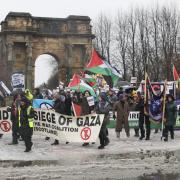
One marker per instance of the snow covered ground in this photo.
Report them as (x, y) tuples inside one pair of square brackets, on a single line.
[(124, 158)]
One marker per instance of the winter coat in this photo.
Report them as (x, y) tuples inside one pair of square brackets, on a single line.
[(103, 108), (68, 103), (85, 108), (112, 99), (24, 116), (170, 113), (59, 107), (122, 114), (140, 107)]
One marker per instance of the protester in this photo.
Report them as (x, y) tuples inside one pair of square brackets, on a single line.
[(103, 108), (68, 103), (83, 102), (14, 118), (26, 122), (132, 107), (59, 107), (28, 95), (37, 94), (112, 98), (170, 117), (2, 104), (122, 109), (143, 118)]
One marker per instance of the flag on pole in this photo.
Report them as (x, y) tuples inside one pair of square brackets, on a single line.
[(89, 80), (175, 74), (78, 84), (153, 101), (98, 66)]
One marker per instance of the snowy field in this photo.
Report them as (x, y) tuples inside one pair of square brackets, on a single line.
[(124, 158)]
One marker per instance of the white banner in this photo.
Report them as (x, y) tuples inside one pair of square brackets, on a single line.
[(58, 126), (5, 122)]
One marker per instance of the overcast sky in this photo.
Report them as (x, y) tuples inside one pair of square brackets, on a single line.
[(63, 8)]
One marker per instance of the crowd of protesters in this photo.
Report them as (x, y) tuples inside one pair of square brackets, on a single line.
[(120, 103)]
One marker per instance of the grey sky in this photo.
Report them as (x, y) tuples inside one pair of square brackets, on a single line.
[(63, 8)]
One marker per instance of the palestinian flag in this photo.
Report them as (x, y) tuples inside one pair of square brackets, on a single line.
[(79, 84), (90, 80), (98, 66), (175, 74)]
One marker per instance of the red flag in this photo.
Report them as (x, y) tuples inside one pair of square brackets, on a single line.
[(175, 74), (76, 109), (75, 81), (95, 60)]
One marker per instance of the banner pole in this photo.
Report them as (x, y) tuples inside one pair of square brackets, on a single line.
[(164, 105)]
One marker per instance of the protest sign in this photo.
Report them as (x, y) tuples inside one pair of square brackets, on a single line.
[(18, 81), (90, 100), (133, 80), (58, 126)]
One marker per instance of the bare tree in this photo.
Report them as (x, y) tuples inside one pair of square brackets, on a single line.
[(132, 27), (121, 42), (103, 32), (169, 22)]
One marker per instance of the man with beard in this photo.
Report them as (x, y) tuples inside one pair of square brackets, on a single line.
[(122, 109)]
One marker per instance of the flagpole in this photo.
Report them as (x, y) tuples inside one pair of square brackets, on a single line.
[(164, 105)]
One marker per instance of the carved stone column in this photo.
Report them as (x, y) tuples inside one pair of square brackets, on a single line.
[(29, 66), (68, 62), (10, 61), (10, 51)]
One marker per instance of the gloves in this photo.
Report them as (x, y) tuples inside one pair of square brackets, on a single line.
[(9, 109)]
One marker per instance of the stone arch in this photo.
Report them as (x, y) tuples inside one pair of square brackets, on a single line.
[(25, 37)]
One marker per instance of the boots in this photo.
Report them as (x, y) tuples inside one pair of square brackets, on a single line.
[(47, 138), (56, 142), (85, 144), (147, 138), (28, 148), (141, 137), (101, 147), (117, 134)]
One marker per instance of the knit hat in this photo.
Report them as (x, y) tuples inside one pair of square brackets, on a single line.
[(121, 96)]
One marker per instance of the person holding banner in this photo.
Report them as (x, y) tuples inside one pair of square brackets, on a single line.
[(143, 118), (170, 117), (26, 122), (59, 107), (102, 107), (122, 109), (14, 118), (86, 108)]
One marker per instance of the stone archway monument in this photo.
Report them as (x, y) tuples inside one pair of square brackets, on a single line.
[(24, 37)]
